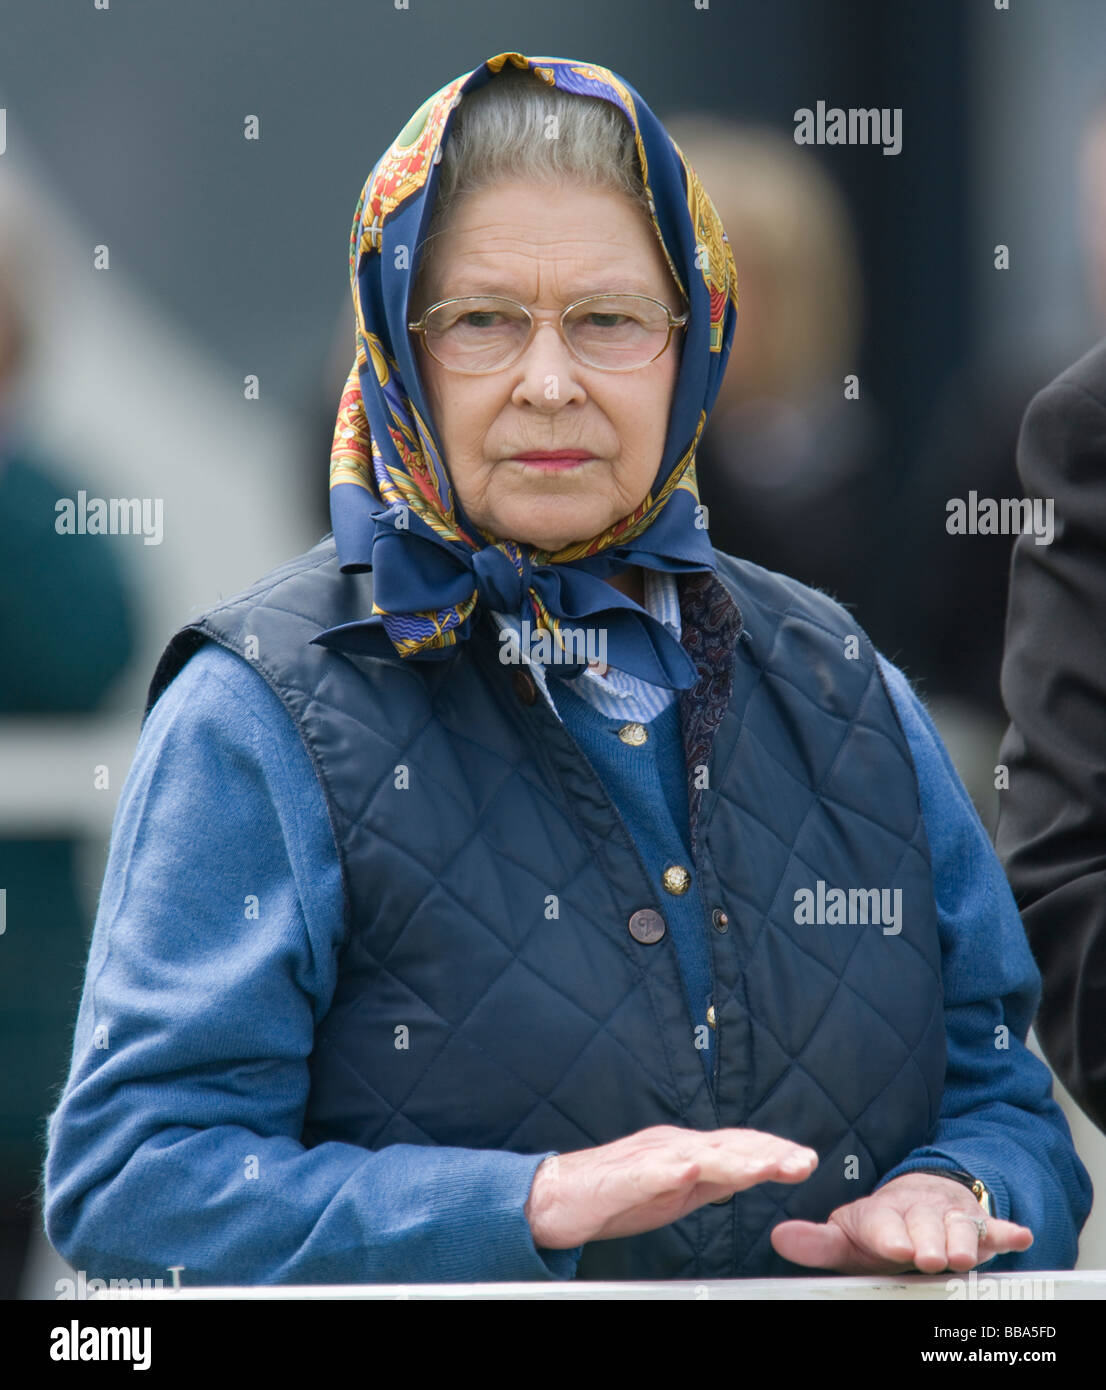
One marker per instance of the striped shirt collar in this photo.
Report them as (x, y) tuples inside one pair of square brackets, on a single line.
[(617, 695)]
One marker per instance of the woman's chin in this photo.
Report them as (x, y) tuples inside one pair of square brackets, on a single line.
[(549, 533)]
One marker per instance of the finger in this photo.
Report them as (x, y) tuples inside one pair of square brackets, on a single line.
[(778, 1162), (962, 1238), (653, 1179), (738, 1174), (1003, 1236), (723, 1162), (755, 1145), (880, 1236), (813, 1245), (928, 1234), (718, 1168), (809, 1243)]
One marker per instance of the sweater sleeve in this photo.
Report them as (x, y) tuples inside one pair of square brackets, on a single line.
[(998, 1118), (177, 1139)]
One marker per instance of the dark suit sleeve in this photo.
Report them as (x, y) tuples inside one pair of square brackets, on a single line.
[(1051, 833)]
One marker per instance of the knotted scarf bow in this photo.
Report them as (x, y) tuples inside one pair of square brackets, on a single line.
[(392, 506)]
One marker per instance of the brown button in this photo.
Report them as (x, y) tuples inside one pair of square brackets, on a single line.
[(676, 879), (647, 926), (721, 1201), (525, 687), (711, 1018), (720, 919), (634, 734)]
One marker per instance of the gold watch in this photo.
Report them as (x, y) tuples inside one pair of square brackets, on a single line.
[(982, 1196), (977, 1186)]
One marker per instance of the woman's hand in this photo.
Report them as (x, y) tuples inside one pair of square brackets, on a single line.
[(650, 1178), (918, 1221)]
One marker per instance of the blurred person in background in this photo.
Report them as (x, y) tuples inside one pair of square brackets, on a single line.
[(793, 472), (953, 588), (1052, 823), (1051, 831), (66, 634)]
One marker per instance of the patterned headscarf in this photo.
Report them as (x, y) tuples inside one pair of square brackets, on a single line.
[(392, 506)]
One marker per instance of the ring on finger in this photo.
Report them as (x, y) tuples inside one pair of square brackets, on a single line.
[(979, 1224)]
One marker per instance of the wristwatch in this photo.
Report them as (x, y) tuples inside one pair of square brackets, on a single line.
[(977, 1186)]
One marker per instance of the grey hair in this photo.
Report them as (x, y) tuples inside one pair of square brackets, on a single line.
[(519, 127)]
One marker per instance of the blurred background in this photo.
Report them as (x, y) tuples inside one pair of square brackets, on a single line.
[(175, 325)]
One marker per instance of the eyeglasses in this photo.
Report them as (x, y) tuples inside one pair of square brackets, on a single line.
[(611, 332)]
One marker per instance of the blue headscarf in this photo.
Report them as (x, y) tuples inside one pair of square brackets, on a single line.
[(392, 506)]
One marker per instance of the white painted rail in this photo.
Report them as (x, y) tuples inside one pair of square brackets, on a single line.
[(995, 1289)]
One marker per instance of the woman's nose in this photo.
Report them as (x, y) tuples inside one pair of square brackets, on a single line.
[(548, 374)]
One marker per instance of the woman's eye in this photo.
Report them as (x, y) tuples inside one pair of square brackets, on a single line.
[(479, 318), (598, 320)]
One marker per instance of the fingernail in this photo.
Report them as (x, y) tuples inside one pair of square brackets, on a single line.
[(795, 1163)]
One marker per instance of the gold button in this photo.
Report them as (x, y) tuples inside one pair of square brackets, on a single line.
[(676, 879), (711, 1018), (634, 734)]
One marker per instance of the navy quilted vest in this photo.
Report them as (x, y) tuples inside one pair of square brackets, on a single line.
[(462, 809)]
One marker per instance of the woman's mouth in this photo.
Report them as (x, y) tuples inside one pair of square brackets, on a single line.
[(552, 459)]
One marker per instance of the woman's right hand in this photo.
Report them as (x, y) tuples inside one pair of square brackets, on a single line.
[(650, 1178)]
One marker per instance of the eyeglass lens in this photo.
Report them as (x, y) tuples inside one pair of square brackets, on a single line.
[(615, 332)]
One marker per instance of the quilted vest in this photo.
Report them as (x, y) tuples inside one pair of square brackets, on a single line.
[(494, 988)]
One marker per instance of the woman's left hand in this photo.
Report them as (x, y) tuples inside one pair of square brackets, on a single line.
[(916, 1222)]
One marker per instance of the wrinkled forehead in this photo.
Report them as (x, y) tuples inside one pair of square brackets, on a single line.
[(538, 242)]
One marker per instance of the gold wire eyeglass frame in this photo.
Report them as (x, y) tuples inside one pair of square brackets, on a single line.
[(674, 321)]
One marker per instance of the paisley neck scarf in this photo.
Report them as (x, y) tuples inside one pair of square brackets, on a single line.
[(392, 506)]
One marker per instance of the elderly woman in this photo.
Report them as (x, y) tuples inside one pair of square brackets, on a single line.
[(513, 886)]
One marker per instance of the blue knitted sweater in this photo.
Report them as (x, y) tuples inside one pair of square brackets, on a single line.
[(648, 784)]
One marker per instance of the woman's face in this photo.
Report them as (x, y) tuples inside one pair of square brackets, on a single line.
[(547, 248)]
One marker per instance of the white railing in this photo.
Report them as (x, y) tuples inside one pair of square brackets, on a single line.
[(996, 1289)]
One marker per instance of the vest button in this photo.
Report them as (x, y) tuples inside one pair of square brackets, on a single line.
[(721, 1201), (720, 919), (634, 734), (525, 687), (647, 926), (711, 1019), (676, 880)]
